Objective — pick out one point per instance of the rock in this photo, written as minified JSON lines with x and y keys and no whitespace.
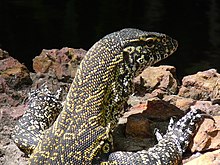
{"x":136,"y":109}
{"x":10,"y":97}
{"x":159,"y":109}
{"x":157,"y":80}
{"x":208,"y":107}
{"x":137,"y":118}
{"x":3,"y":85}
{"x":209,"y":158}
{"x":10,"y":151}
{"x":12,"y":73}
{"x":153,"y":108}
{"x":180,"y":102}
{"x":134,"y":100}
{"x":13,"y":112}
{"x":185,"y":104}
{"x":207,"y":137}
{"x":3,"y":54}
{"x":14,"y":80}
{"x":201,"y":86}
{"x":8,"y":100}
{"x":63,"y":63}
{"x":138,"y":126}
{"x":123,"y":142}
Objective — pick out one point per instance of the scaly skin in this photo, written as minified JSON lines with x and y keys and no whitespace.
{"x":43,"y":107}
{"x":82,"y":133}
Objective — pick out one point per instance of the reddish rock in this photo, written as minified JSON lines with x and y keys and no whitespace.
{"x":153,"y":108}
{"x":63,"y":63}
{"x":159,"y":109}
{"x":8,"y":100}
{"x":138,"y":126}
{"x":9,"y":152}
{"x":14,"y":80}
{"x":201,"y":86}
{"x":157,"y":80}
{"x":208,"y":107}
{"x":13,"y":72}
{"x":3,"y":85}
{"x":13,"y":112}
{"x":208,"y":136}
{"x":180,"y":102}
{"x":137,"y":118}
{"x":136,"y":109}
{"x":209,"y":158}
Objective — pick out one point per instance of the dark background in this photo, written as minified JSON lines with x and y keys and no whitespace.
{"x":28,"y":26}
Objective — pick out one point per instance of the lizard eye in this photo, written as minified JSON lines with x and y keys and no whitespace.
{"x":150,"y":42}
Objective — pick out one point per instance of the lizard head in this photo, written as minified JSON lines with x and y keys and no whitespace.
{"x":143,"y":49}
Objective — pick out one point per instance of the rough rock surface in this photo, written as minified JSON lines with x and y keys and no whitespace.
{"x":201,"y":86}
{"x":209,"y":132}
{"x":155,"y":108}
{"x":180,"y":102}
{"x":14,"y":80}
{"x":13,"y":112}
{"x":9,"y":152}
{"x":209,"y":158}
{"x":12,"y":73}
{"x":141,"y":117}
{"x":63,"y":63}
{"x":208,"y":106}
{"x":138,"y":126}
{"x":157,"y":81}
